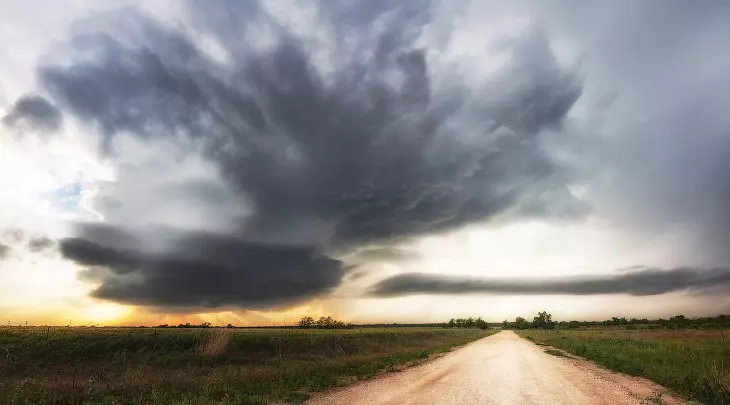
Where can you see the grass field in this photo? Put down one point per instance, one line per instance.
(694, 363)
(202, 366)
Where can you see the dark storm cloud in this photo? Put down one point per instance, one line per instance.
(39, 244)
(207, 271)
(646, 281)
(375, 159)
(359, 148)
(35, 112)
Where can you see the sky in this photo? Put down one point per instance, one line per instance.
(253, 162)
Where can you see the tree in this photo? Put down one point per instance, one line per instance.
(326, 323)
(306, 322)
(543, 320)
(521, 323)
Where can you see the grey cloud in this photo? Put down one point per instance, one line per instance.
(20, 240)
(646, 281)
(35, 112)
(39, 244)
(363, 148)
(207, 271)
(656, 158)
(386, 254)
(535, 92)
(368, 159)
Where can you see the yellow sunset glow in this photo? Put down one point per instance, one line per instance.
(105, 312)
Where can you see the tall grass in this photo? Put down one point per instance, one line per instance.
(141, 366)
(696, 364)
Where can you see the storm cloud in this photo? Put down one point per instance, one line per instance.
(207, 271)
(35, 112)
(636, 281)
(329, 145)
(384, 254)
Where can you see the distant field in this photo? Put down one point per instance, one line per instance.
(694, 363)
(202, 366)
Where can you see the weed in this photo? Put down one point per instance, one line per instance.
(215, 343)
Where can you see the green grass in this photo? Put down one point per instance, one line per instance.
(202, 366)
(692, 363)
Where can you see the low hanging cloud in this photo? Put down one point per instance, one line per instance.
(5, 251)
(328, 144)
(385, 254)
(35, 112)
(207, 271)
(636, 281)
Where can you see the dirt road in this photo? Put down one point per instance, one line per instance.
(501, 369)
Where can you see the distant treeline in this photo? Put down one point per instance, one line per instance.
(311, 323)
(467, 323)
(323, 323)
(544, 321)
(188, 325)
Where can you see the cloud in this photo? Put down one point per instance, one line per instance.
(13, 235)
(333, 142)
(370, 151)
(646, 281)
(385, 254)
(206, 271)
(18, 240)
(39, 244)
(35, 112)
(655, 141)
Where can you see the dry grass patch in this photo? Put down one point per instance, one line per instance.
(215, 343)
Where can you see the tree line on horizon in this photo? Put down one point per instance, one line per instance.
(544, 320)
(323, 323)
(467, 323)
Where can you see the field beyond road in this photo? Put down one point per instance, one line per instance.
(202, 366)
(694, 363)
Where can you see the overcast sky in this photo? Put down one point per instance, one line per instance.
(256, 161)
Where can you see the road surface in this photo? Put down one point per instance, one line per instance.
(501, 369)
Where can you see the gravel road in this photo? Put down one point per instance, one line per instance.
(501, 369)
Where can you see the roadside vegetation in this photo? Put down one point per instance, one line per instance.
(686, 355)
(204, 365)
